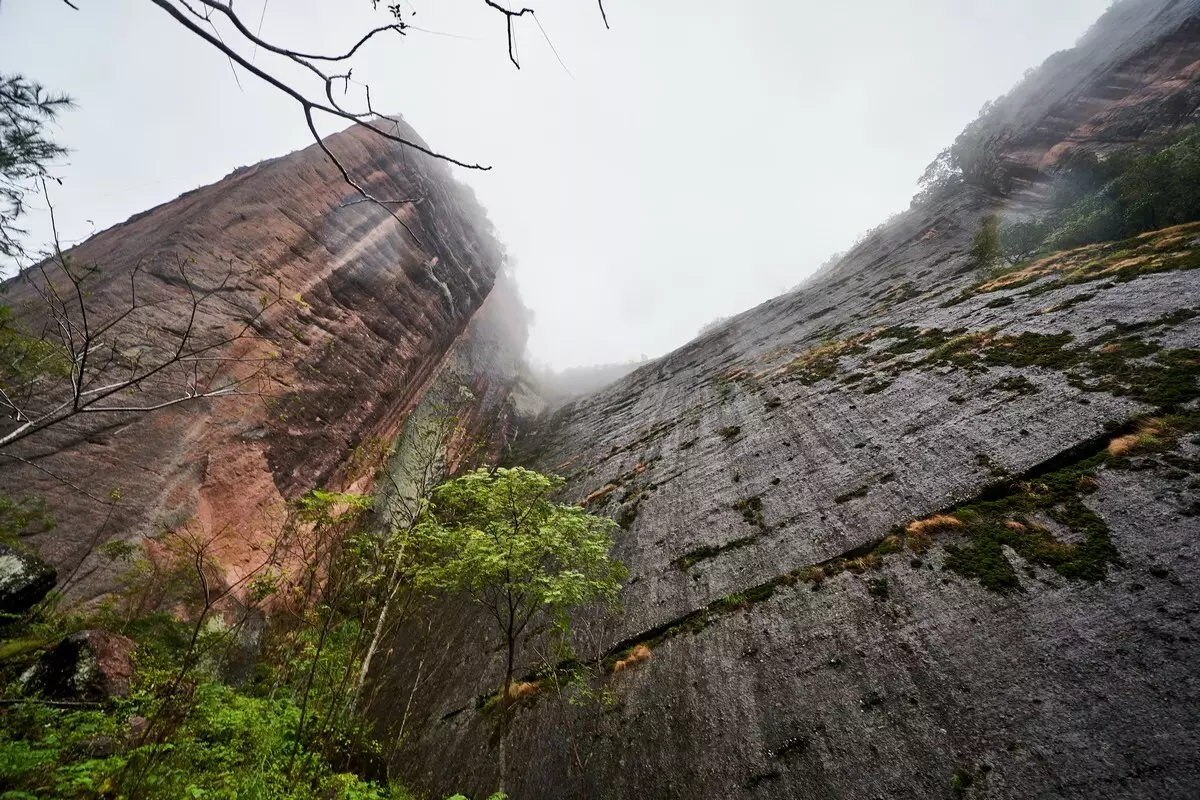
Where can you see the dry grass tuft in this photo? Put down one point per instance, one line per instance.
(919, 532)
(1013, 525)
(635, 656)
(1147, 435)
(938, 522)
(520, 690)
(864, 563)
(599, 494)
(1122, 445)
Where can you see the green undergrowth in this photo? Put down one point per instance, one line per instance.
(1117, 363)
(181, 733)
(1168, 250)
(990, 525)
(1162, 251)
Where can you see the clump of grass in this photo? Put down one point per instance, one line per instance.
(933, 524)
(751, 509)
(1018, 384)
(862, 564)
(522, 690)
(730, 431)
(634, 657)
(814, 575)
(960, 781)
(919, 532)
(1150, 435)
(705, 552)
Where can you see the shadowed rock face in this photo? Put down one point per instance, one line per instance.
(87, 665)
(758, 472)
(364, 312)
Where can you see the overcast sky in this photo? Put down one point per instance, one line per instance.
(698, 158)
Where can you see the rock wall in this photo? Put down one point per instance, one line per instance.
(806, 640)
(364, 313)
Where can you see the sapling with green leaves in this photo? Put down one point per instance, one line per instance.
(498, 537)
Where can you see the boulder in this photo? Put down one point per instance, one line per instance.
(88, 665)
(24, 579)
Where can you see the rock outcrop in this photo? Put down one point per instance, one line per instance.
(363, 314)
(25, 579)
(805, 617)
(89, 665)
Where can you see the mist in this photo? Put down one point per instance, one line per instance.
(693, 160)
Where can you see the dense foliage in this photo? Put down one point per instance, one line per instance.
(497, 537)
(288, 723)
(1142, 188)
(1145, 187)
(178, 734)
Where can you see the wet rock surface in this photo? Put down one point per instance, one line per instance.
(807, 638)
(364, 312)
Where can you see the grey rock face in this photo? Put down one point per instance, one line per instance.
(813, 630)
(24, 579)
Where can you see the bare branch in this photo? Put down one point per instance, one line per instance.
(509, 16)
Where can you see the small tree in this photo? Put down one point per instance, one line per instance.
(985, 246)
(1020, 240)
(497, 537)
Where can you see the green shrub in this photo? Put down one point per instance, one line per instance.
(985, 247)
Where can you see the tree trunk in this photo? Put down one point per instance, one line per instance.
(366, 662)
(505, 706)
(503, 759)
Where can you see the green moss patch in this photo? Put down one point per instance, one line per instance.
(706, 552)
(751, 510)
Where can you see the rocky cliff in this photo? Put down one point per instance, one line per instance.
(353, 317)
(897, 533)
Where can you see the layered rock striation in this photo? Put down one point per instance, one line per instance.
(898, 533)
(349, 315)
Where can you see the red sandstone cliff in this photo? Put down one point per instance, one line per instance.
(363, 314)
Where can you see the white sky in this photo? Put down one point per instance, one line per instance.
(701, 156)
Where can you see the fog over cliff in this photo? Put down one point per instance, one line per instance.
(696, 159)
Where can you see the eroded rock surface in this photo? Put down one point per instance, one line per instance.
(819, 624)
(363, 313)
